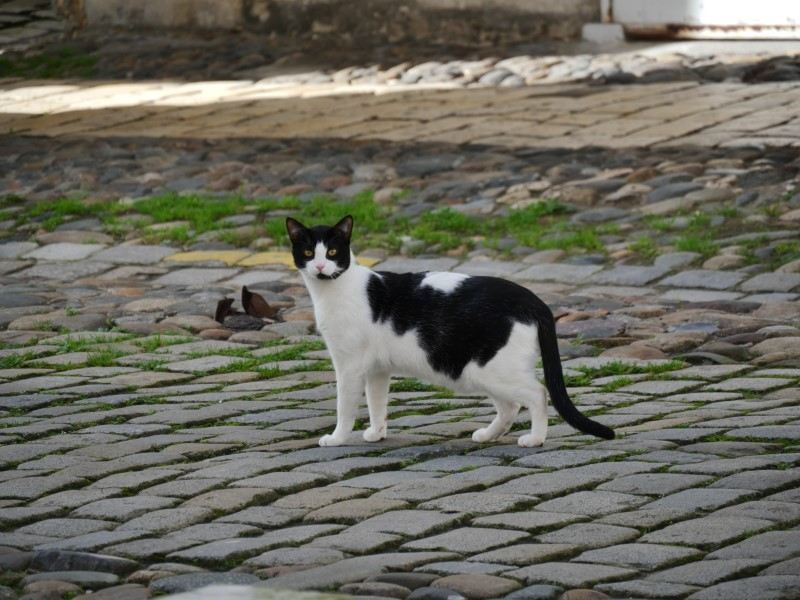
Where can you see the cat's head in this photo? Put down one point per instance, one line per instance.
(321, 252)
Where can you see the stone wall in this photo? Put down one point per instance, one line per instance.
(356, 21)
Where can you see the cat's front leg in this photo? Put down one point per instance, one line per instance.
(349, 387)
(377, 401)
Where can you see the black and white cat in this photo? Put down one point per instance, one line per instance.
(475, 335)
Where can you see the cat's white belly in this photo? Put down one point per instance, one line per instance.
(514, 362)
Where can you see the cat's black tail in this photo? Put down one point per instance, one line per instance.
(554, 379)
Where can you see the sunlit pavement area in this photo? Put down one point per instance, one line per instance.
(150, 445)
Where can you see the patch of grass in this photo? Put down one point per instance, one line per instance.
(57, 63)
(613, 386)
(83, 344)
(180, 234)
(52, 213)
(16, 361)
(104, 358)
(370, 218)
(645, 247)
(589, 374)
(412, 385)
(296, 352)
(202, 213)
(445, 228)
(701, 244)
(154, 342)
(784, 252)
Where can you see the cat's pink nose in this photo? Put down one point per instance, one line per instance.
(319, 267)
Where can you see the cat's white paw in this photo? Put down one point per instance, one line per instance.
(331, 440)
(481, 435)
(530, 440)
(374, 434)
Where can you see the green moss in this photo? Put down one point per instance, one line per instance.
(54, 63)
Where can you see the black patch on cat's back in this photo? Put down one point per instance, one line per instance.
(472, 322)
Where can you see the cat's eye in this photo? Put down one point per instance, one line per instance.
(332, 252)
(308, 253)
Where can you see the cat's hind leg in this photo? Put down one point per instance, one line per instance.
(535, 398)
(506, 413)
(377, 389)
(349, 387)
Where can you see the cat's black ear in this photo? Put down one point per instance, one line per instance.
(296, 229)
(345, 226)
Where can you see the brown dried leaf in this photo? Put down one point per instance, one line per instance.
(223, 309)
(255, 305)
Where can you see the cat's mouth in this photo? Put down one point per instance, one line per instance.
(330, 277)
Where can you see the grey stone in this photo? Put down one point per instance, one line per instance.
(377, 589)
(707, 572)
(590, 535)
(354, 542)
(494, 268)
(761, 480)
(203, 364)
(707, 279)
(558, 459)
(672, 190)
(192, 581)
(771, 546)
(564, 273)
(770, 587)
(630, 275)
(411, 581)
(567, 480)
(528, 520)
(352, 569)
(128, 591)
(413, 265)
(478, 503)
(407, 522)
(92, 541)
(654, 484)
(477, 586)
(699, 499)
(167, 519)
(592, 503)
(753, 384)
(467, 540)
(266, 516)
(65, 527)
(29, 488)
(305, 556)
(638, 588)
(432, 593)
(673, 260)
(122, 509)
(16, 249)
(64, 251)
(780, 512)
(768, 432)
(570, 574)
(134, 254)
(786, 567)
(223, 550)
(525, 554)
(195, 276)
(209, 532)
(64, 560)
(536, 592)
(642, 557)
(772, 282)
(706, 531)
(89, 579)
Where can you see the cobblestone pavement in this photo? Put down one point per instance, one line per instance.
(146, 448)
